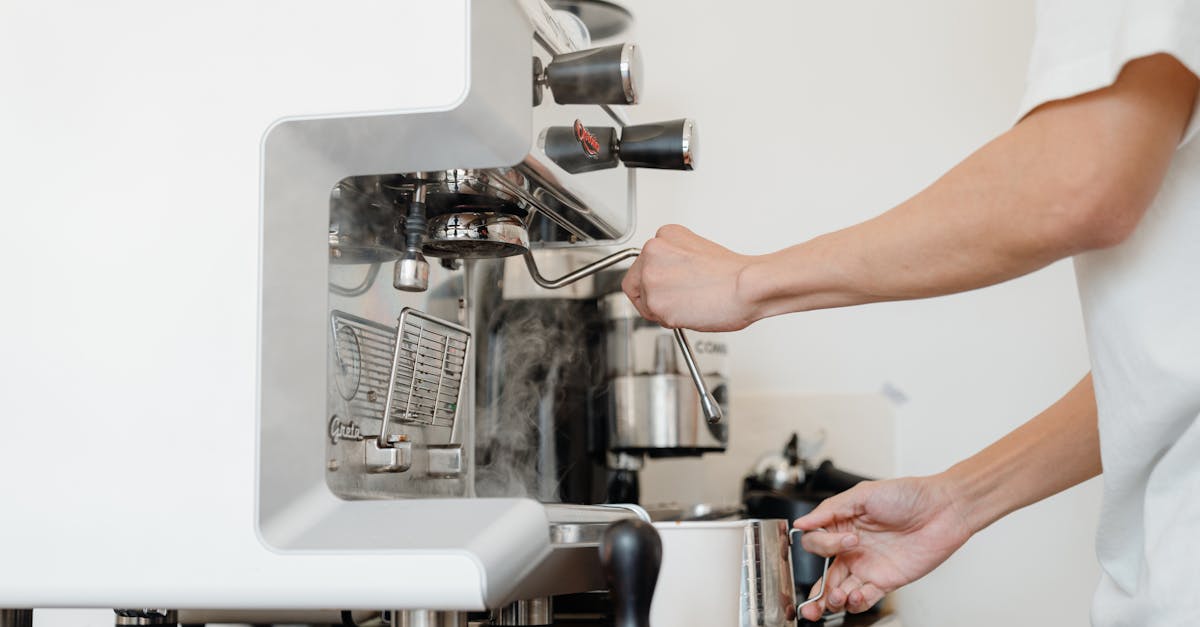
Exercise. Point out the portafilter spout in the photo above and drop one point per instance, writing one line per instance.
(712, 411)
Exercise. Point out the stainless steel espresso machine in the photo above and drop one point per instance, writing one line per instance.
(446, 372)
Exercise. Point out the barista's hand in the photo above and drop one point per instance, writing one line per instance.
(683, 280)
(884, 535)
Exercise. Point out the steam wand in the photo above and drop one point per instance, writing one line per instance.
(712, 411)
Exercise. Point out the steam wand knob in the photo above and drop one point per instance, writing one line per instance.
(611, 75)
(670, 145)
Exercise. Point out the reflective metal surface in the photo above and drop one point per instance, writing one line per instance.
(661, 414)
(768, 596)
(145, 617)
(631, 72)
(362, 227)
(651, 411)
(578, 532)
(428, 618)
(411, 273)
(474, 235)
(691, 144)
(539, 611)
(603, 18)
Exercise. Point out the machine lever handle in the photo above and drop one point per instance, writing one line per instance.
(712, 410)
(631, 555)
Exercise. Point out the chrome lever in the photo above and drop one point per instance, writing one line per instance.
(712, 411)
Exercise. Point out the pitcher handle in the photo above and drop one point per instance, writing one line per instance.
(824, 573)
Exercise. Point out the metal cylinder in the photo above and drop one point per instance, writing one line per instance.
(539, 611)
(146, 617)
(428, 618)
(770, 598)
(16, 618)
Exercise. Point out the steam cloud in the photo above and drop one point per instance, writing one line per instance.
(533, 346)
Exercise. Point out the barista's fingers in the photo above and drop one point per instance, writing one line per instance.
(828, 543)
(838, 594)
(834, 598)
(841, 507)
(863, 598)
(632, 286)
(813, 611)
(631, 283)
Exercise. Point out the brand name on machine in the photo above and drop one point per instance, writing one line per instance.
(711, 347)
(591, 145)
(344, 430)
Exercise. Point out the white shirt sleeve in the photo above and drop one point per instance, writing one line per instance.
(1081, 45)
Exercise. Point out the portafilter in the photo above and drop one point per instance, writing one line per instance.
(479, 235)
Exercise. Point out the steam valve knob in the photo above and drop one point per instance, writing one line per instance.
(669, 145)
(609, 75)
(580, 148)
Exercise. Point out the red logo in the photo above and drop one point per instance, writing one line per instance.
(591, 145)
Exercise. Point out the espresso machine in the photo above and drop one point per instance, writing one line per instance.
(412, 401)
(284, 419)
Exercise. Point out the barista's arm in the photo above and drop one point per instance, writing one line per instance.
(886, 534)
(1074, 175)
(1056, 450)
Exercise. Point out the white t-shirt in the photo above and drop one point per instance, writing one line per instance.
(1141, 305)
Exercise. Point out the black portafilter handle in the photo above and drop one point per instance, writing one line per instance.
(609, 75)
(631, 554)
(669, 145)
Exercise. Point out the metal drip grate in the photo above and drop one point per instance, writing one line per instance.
(427, 371)
(408, 374)
(363, 354)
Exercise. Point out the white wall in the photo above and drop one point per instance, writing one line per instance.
(817, 115)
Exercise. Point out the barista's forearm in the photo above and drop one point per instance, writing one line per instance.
(1072, 176)
(1052, 452)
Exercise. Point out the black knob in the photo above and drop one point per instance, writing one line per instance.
(664, 145)
(608, 75)
(579, 148)
(631, 553)
(623, 486)
(828, 477)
